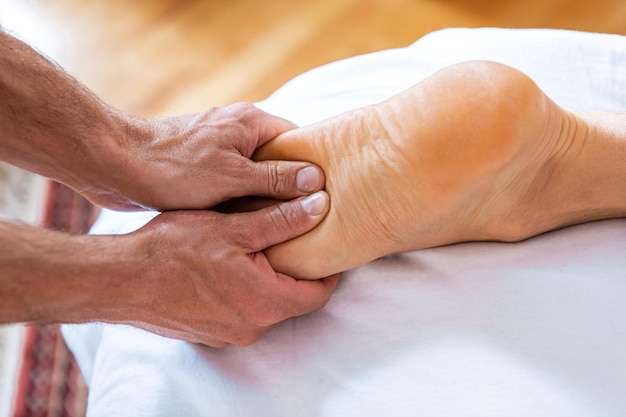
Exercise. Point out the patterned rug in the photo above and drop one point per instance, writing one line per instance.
(49, 383)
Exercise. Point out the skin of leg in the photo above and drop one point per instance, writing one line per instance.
(475, 152)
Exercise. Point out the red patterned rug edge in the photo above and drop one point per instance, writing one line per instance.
(49, 382)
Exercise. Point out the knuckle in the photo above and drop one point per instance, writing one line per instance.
(246, 339)
(268, 318)
(243, 107)
(307, 308)
(244, 111)
(266, 314)
(321, 302)
(284, 216)
(253, 233)
(277, 177)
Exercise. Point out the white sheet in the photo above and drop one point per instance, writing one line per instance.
(536, 328)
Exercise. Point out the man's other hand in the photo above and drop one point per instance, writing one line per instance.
(205, 278)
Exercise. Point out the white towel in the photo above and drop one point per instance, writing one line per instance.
(536, 328)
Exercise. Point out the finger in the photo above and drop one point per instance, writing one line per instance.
(305, 296)
(275, 179)
(283, 179)
(270, 126)
(262, 125)
(267, 227)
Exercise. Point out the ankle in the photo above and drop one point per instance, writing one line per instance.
(587, 172)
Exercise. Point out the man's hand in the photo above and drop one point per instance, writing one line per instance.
(198, 275)
(208, 281)
(198, 161)
(54, 126)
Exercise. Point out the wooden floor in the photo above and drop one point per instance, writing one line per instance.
(171, 56)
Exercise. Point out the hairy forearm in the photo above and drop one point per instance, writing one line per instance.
(53, 277)
(52, 125)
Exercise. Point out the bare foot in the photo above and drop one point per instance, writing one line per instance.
(467, 154)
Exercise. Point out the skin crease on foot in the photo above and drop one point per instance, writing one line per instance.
(475, 152)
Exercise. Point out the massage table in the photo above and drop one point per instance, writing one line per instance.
(535, 328)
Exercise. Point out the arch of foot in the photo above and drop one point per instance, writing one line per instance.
(457, 157)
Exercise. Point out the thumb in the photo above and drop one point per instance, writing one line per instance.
(283, 179)
(273, 225)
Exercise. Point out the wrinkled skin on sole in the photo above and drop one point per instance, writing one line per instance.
(468, 154)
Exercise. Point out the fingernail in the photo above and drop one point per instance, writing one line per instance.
(315, 203)
(308, 179)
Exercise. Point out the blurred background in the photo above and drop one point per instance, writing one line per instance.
(166, 57)
(170, 56)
